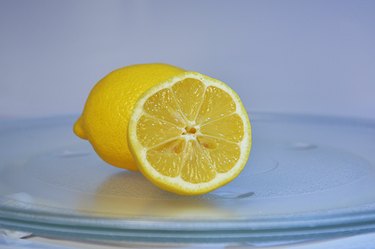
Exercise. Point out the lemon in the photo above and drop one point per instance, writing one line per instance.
(190, 134)
(105, 118)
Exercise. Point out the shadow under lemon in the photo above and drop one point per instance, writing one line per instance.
(129, 194)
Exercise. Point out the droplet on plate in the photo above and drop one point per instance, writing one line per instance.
(69, 154)
(232, 195)
(303, 146)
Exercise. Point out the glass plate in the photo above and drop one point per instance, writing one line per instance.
(307, 177)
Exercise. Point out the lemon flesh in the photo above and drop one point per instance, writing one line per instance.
(105, 118)
(190, 134)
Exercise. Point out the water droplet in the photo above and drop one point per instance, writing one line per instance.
(69, 154)
(232, 195)
(245, 195)
(303, 146)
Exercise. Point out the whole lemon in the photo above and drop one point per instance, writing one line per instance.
(105, 118)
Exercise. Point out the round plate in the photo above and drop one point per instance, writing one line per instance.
(307, 177)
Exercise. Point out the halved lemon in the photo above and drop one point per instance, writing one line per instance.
(190, 134)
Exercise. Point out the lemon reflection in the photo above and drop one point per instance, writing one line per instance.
(129, 194)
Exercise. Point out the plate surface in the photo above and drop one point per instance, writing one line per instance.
(307, 177)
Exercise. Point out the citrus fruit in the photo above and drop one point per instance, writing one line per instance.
(190, 134)
(105, 118)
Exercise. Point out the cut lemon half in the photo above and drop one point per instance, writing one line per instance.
(190, 134)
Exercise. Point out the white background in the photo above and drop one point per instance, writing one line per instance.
(313, 56)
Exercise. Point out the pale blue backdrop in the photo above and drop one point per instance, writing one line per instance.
(282, 56)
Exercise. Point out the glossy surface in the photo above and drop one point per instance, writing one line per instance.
(307, 177)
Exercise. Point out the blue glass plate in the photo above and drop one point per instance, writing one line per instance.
(307, 177)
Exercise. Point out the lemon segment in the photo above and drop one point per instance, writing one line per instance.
(163, 106)
(224, 154)
(197, 167)
(189, 95)
(229, 127)
(190, 134)
(216, 104)
(168, 157)
(152, 131)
